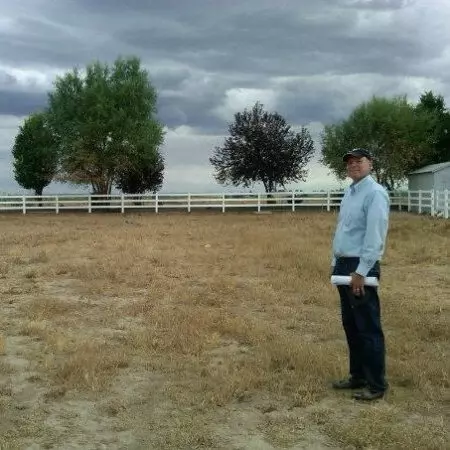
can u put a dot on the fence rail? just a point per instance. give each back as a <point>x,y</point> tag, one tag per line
<point>435,203</point>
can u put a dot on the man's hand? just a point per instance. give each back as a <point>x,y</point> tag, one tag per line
<point>357,284</point>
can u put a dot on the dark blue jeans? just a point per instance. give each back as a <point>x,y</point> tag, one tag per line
<point>361,319</point>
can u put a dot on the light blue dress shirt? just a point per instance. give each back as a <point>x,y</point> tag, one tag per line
<point>362,224</point>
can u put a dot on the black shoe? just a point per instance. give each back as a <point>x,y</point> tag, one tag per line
<point>349,383</point>
<point>368,395</point>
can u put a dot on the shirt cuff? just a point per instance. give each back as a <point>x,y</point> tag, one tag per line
<point>363,268</point>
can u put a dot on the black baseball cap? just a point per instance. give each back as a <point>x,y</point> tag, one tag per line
<point>358,153</point>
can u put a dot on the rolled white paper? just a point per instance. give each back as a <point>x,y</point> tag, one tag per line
<point>345,280</point>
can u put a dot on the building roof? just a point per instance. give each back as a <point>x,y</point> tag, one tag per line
<point>432,168</point>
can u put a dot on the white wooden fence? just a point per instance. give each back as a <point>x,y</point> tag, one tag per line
<point>435,203</point>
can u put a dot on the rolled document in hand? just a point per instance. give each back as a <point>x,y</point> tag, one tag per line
<point>345,280</point>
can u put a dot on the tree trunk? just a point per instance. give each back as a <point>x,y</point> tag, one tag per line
<point>392,183</point>
<point>103,186</point>
<point>38,193</point>
<point>378,176</point>
<point>271,189</point>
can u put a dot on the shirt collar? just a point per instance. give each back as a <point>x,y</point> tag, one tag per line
<point>358,185</point>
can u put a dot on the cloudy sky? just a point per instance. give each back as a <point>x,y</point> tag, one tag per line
<point>310,60</point>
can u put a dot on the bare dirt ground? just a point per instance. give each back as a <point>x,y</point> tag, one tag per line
<point>178,331</point>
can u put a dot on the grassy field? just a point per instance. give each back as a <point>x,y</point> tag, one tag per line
<point>179,331</point>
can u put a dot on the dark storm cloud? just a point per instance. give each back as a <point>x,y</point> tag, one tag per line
<point>207,8</point>
<point>252,37</point>
<point>383,5</point>
<point>184,113</point>
<point>17,99</point>
<point>36,42</point>
<point>196,96</point>
<point>169,79</point>
<point>186,97</point>
<point>18,103</point>
<point>277,42</point>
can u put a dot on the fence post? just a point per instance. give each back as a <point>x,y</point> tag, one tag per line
<point>446,205</point>
<point>293,201</point>
<point>328,200</point>
<point>57,204</point>
<point>89,204</point>
<point>156,203</point>
<point>24,205</point>
<point>420,201</point>
<point>189,202</point>
<point>409,201</point>
<point>259,201</point>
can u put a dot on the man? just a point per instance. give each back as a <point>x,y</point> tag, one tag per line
<point>358,246</point>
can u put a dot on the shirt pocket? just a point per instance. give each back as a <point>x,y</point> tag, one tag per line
<point>355,219</point>
<point>348,219</point>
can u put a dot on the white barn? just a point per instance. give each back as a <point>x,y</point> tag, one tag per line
<point>435,177</point>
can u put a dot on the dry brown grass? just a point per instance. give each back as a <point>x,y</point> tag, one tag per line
<point>211,331</point>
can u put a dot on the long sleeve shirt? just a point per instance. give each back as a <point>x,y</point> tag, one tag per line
<point>362,224</point>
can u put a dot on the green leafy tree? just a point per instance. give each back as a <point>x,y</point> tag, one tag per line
<point>147,175</point>
<point>103,122</point>
<point>35,156</point>
<point>435,104</point>
<point>262,148</point>
<point>399,135</point>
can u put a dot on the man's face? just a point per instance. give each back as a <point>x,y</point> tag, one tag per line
<point>358,168</point>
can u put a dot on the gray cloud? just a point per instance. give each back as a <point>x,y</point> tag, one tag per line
<point>233,38</point>
<point>276,42</point>
<point>383,5</point>
<point>312,61</point>
<point>20,103</point>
